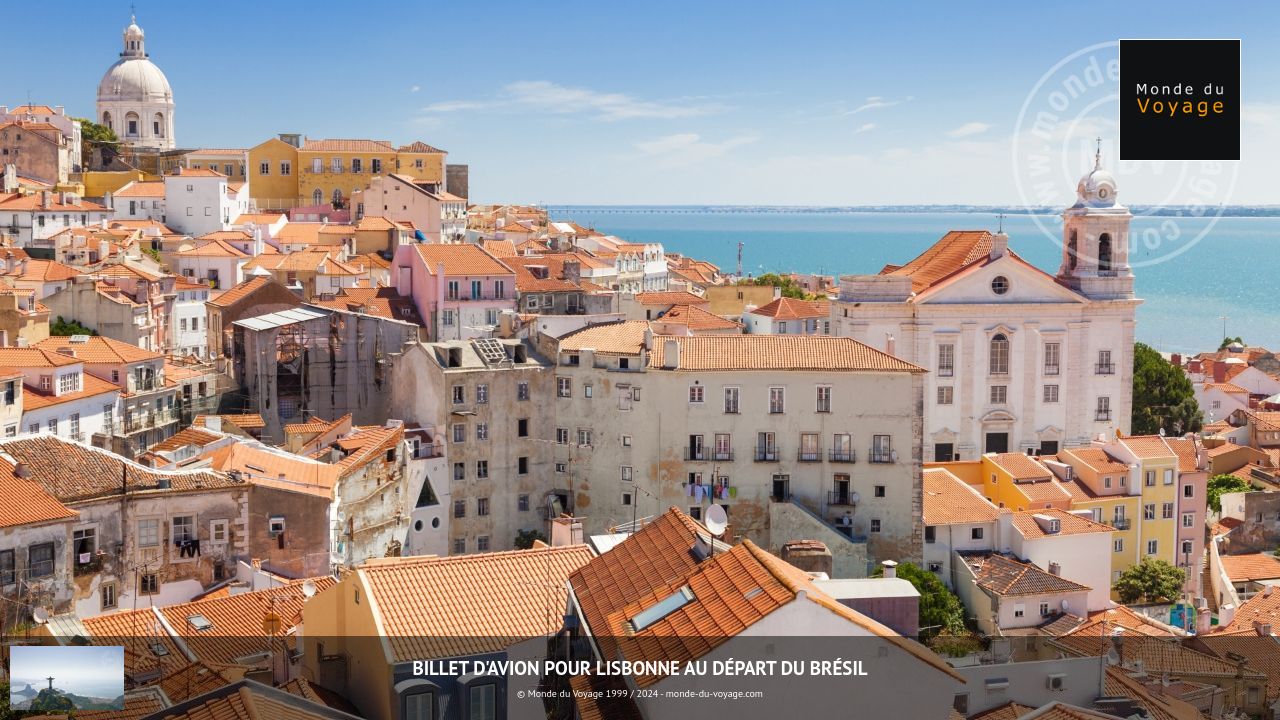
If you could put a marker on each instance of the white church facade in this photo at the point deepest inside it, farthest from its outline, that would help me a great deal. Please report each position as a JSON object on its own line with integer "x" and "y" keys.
{"x": 134, "y": 97}
{"x": 1018, "y": 360}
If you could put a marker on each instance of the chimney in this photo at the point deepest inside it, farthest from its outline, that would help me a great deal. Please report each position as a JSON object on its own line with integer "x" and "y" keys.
{"x": 671, "y": 354}
{"x": 108, "y": 201}
{"x": 1055, "y": 569}
{"x": 45, "y": 198}
{"x": 1219, "y": 372}
{"x": 890, "y": 568}
{"x": 1175, "y": 359}
{"x": 999, "y": 245}
{"x": 10, "y": 178}
{"x": 1263, "y": 629}
{"x": 104, "y": 248}
{"x": 22, "y": 470}
{"x": 890, "y": 345}
{"x": 811, "y": 556}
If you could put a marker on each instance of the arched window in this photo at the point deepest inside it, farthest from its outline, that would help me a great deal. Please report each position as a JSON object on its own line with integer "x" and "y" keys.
{"x": 1104, "y": 253}
{"x": 106, "y": 120}
{"x": 1071, "y": 251}
{"x": 157, "y": 125}
{"x": 999, "y": 360}
{"x": 317, "y": 197}
{"x": 131, "y": 125}
{"x": 337, "y": 198}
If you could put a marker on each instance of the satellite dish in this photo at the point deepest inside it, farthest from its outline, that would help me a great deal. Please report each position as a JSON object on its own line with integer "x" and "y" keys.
{"x": 717, "y": 520}
{"x": 309, "y": 588}
{"x": 40, "y": 615}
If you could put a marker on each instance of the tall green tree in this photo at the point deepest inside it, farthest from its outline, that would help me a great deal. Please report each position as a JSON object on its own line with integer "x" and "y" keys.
{"x": 940, "y": 609}
{"x": 1162, "y": 396}
{"x": 1150, "y": 580}
{"x": 1227, "y": 341}
{"x": 93, "y": 136}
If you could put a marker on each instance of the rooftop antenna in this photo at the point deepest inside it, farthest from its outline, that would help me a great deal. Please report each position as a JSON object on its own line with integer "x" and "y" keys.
{"x": 740, "y": 244}
{"x": 1000, "y": 227}
{"x": 1097, "y": 156}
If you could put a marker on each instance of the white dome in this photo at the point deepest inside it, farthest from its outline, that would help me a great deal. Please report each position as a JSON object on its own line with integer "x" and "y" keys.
{"x": 135, "y": 79}
{"x": 1098, "y": 187}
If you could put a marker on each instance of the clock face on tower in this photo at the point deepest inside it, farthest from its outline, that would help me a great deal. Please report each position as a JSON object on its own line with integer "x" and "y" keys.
{"x": 1103, "y": 192}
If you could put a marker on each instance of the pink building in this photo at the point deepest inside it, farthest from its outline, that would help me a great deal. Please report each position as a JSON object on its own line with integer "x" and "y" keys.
{"x": 459, "y": 290}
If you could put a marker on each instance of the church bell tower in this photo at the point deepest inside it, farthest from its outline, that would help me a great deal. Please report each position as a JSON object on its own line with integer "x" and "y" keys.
{"x": 1095, "y": 239}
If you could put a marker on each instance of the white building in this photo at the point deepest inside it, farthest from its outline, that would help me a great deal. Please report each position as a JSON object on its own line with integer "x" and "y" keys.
{"x": 134, "y": 97}
{"x": 187, "y": 321}
{"x": 59, "y": 397}
{"x": 140, "y": 200}
{"x": 198, "y": 202}
{"x": 1066, "y": 544}
{"x": 42, "y": 215}
{"x": 956, "y": 518}
{"x": 789, "y": 316}
{"x": 55, "y": 116}
{"x": 1018, "y": 359}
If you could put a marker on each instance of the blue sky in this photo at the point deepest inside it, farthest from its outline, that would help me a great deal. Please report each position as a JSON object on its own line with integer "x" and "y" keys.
{"x": 84, "y": 670}
{"x": 662, "y": 102}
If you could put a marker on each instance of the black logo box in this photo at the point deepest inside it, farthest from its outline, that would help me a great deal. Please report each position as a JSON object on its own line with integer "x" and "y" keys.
{"x": 1205, "y": 73}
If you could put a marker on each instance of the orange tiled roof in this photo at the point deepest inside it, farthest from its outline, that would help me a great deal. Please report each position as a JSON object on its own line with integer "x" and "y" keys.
{"x": 33, "y": 357}
{"x": 948, "y": 500}
{"x": 90, "y": 386}
{"x": 955, "y": 251}
{"x": 615, "y": 338}
{"x": 244, "y": 421}
{"x": 27, "y": 502}
{"x": 776, "y": 352}
{"x": 214, "y": 248}
{"x": 196, "y": 172}
{"x": 1068, "y": 523}
{"x": 1097, "y": 459}
{"x": 433, "y": 607}
{"x": 420, "y": 147}
{"x": 235, "y": 294}
{"x": 72, "y": 472}
{"x": 98, "y": 349}
{"x": 670, "y": 297}
{"x": 1008, "y": 711}
{"x": 35, "y": 201}
{"x": 464, "y": 259}
{"x": 345, "y": 145}
{"x": 1253, "y": 566}
{"x": 276, "y": 468}
{"x": 785, "y": 308}
{"x": 44, "y": 271}
{"x": 1020, "y": 466}
{"x": 1008, "y": 577}
{"x": 142, "y": 188}
{"x": 380, "y": 302}
{"x": 267, "y": 218}
{"x": 1260, "y": 653}
{"x": 190, "y": 436}
{"x": 1148, "y": 447}
{"x": 1187, "y": 450}
{"x": 697, "y": 318}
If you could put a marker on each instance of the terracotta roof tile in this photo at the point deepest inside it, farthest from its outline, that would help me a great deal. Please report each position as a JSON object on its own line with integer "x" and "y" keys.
{"x": 346, "y": 145}
{"x": 1253, "y": 566}
{"x": 214, "y": 248}
{"x": 948, "y": 500}
{"x": 142, "y": 188}
{"x": 956, "y": 250}
{"x": 1009, "y": 577}
{"x": 433, "y": 607}
{"x": 464, "y": 259}
{"x": 381, "y": 302}
{"x": 187, "y": 437}
{"x": 1020, "y": 466}
{"x": 614, "y": 338}
{"x": 44, "y": 271}
{"x": 27, "y": 502}
{"x": 98, "y": 349}
{"x": 235, "y": 294}
{"x": 697, "y": 318}
{"x": 1148, "y": 447}
{"x": 785, "y": 308}
{"x": 1097, "y": 459}
{"x": 670, "y": 297}
{"x": 776, "y": 352}
{"x": 1069, "y": 524}
{"x": 90, "y": 386}
{"x": 72, "y": 472}
{"x": 274, "y": 468}
{"x": 1008, "y": 711}
{"x": 420, "y": 147}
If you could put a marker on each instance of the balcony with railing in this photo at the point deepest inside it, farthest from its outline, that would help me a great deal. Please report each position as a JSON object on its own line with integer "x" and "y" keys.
{"x": 1105, "y": 368}
{"x": 880, "y": 456}
{"x": 695, "y": 453}
{"x": 722, "y": 454}
{"x": 473, "y": 297}
{"x": 766, "y": 454}
{"x": 809, "y": 455}
{"x": 842, "y": 456}
{"x": 1102, "y": 415}
{"x": 846, "y": 498}
{"x": 428, "y": 450}
{"x": 1119, "y": 523}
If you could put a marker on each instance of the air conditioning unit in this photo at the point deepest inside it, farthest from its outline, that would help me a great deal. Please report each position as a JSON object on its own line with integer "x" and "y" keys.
{"x": 276, "y": 525}
{"x": 1056, "y": 682}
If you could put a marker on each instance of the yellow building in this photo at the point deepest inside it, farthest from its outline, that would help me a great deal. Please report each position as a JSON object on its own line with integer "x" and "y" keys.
{"x": 228, "y": 161}
{"x": 1151, "y": 489}
{"x": 421, "y": 162}
{"x": 290, "y": 171}
{"x": 273, "y": 174}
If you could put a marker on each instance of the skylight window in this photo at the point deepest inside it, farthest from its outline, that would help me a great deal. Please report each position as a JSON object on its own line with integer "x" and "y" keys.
{"x": 199, "y": 622}
{"x": 663, "y": 608}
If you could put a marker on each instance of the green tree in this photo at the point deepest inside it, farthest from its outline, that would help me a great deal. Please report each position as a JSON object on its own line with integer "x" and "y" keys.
{"x": 65, "y": 328}
{"x": 1162, "y": 396}
{"x": 526, "y": 538}
{"x": 789, "y": 287}
{"x": 92, "y": 136}
{"x": 1218, "y": 485}
{"x": 940, "y": 609}
{"x": 1151, "y": 580}
{"x": 1227, "y": 341}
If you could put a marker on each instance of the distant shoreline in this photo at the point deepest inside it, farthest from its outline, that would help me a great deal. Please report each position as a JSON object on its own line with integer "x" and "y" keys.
{"x": 1243, "y": 211}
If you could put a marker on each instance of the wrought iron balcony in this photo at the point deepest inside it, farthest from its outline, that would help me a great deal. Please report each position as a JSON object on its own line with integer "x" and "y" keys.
{"x": 766, "y": 454}
{"x": 842, "y": 456}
